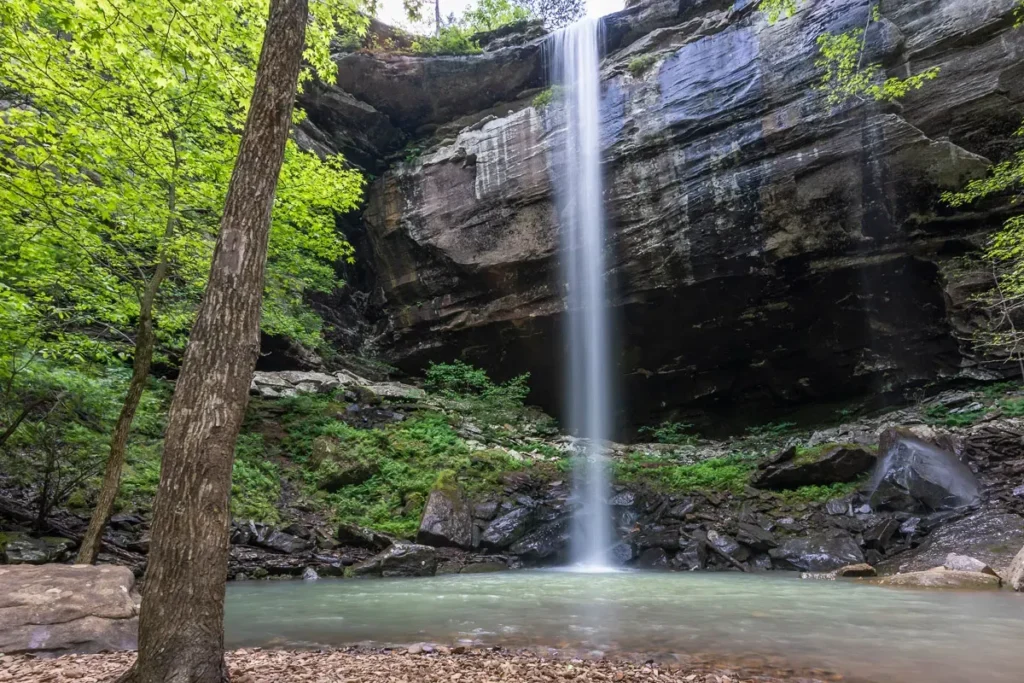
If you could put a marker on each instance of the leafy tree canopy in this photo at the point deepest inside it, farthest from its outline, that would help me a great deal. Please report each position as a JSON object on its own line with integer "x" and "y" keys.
{"x": 120, "y": 126}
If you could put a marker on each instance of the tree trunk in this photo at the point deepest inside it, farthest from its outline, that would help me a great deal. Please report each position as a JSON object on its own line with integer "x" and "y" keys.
{"x": 145, "y": 340}
{"x": 181, "y": 627}
{"x": 9, "y": 432}
{"x": 93, "y": 539}
{"x": 437, "y": 17}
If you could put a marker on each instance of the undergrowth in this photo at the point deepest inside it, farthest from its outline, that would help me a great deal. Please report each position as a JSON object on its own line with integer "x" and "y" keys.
{"x": 729, "y": 473}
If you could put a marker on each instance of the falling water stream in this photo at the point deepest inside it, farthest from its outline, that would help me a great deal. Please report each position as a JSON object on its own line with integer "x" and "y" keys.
{"x": 574, "y": 55}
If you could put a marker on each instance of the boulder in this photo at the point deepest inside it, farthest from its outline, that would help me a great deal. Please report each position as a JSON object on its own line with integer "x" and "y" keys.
{"x": 485, "y": 566}
{"x": 856, "y": 571}
{"x": 652, "y": 558}
{"x": 337, "y": 466}
{"x": 820, "y": 465}
{"x": 963, "y": 563}
{"x": 20, "y": 548}
{"x": 878, "y": 536}
{"x": 547, "y": 544}
{"x": 507, "y": 529}
{"x": 817, "y": 553}
{"x": 309, "y": 574}
{"x": 727, "y": 545}
{"x": 350, "y": 535}
{"x": 755, "y": 537}
{"x": 401, "y": 559}
{"x": 280, "y": 542}
{"x": 658, "y": 537}
{"x": 1015, "y": 575}
{"x": 692, "y": 557}
{"x": 989, "y": 536}
{"x": 447, "y": 520}
{"x": 940, "y": 577}
{"x": 59, "y": 609}
{"x": 912, "y": 474}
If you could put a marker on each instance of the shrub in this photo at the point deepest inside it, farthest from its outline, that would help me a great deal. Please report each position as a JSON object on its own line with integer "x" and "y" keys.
{"x": 452, "y": 40}
{"x": 676, "y": 433}
{"x": 716, "y": 474}
{"x": 638, "y": 65}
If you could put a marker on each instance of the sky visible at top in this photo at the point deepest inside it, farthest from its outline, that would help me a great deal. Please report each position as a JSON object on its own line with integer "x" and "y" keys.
{"x": 391, "y": 12}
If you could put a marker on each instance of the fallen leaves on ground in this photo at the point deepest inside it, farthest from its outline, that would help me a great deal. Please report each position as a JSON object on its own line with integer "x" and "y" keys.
{"x": 415, "y": 665}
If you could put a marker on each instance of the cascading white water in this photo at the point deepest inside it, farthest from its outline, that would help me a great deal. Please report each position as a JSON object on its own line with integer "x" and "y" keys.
{"x": 575, "y": 72}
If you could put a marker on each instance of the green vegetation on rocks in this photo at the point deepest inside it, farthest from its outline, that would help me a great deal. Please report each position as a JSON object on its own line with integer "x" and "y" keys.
{"x": 639, "y": 65}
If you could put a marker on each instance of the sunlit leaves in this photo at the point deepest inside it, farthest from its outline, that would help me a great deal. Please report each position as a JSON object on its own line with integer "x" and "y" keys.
{"x": 778, "y": 9}
{"x": 117, "y": 154}
{"x": 845, "y": 76}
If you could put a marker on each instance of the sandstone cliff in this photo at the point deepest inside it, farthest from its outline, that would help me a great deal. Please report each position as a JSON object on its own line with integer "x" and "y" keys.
{"x": 768, "y": 250}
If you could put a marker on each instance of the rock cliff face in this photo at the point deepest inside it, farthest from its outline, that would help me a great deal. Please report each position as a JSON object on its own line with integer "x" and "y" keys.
{"x": 767, "y": 250}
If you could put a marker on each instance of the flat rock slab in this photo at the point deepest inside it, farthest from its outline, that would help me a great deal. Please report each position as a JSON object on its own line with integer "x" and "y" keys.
{"x": 59, "y": 609}
{"x": 941, "y": 577}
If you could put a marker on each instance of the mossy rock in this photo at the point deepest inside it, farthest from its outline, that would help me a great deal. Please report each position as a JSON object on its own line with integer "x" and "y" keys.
{"x": 338, "y": 467}
{"x": 823, "y": 465}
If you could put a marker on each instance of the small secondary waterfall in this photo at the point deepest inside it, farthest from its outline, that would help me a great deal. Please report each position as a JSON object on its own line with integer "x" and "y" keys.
{"x": 575, "y": 72}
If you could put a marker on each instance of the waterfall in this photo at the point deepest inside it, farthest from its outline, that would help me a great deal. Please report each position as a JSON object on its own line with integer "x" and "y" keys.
{"x": 575, "y": 71}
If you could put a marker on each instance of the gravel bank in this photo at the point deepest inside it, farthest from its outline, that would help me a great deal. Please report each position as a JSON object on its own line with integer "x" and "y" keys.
{"x": 397, "y": 666}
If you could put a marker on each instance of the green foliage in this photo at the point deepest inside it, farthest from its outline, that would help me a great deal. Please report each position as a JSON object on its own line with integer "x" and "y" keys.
{"x": 451, "y": 40}
{"x": 543, "y": 98}
{"x": 475, "y": 394}
{"x": 488, "y": 15}
{"x": 942, "y": 415}
{"x": 639, "y": 65}
{"x": 1005, "y": 253}
{"x": 778, "y": 9}
{"x": 677, "y": 433}
{"x": 811, "y": 454}
{"x": 818, "y": 494}
{"x": 61, "y": 444}
{"x": 771, "y": 431}
{"x": 456, "y": 377}
{"x": 115, "y": 158}
{"x": 412, "y": 458}
{"x": 255, "y": 481}
{"x": 846, "y": 77}
{"x": 1012, "y": 407}
{"x": 730, "y": 473}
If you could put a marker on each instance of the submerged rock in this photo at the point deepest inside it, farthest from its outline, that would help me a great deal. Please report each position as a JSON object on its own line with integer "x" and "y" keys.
{"x": 856, "y": 571}
{"x": 822, "y": 465}
{"x": 940, "y": 577}
{"x": 310, "y": 574}
{"x": 817, "y": 553}
{"x": 60, "y": 609}
{"x": 913, "y": 474}
{"x": 401, "y": 559}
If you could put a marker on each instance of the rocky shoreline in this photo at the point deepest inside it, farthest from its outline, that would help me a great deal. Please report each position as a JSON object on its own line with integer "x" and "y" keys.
{"x": 968, "y": 503}
{"x": 422, "y": 664}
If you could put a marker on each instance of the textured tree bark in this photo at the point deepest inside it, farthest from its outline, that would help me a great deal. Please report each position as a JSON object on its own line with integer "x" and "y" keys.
{"x": 145, "y": 341}
{"x": 181, "y": 627}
